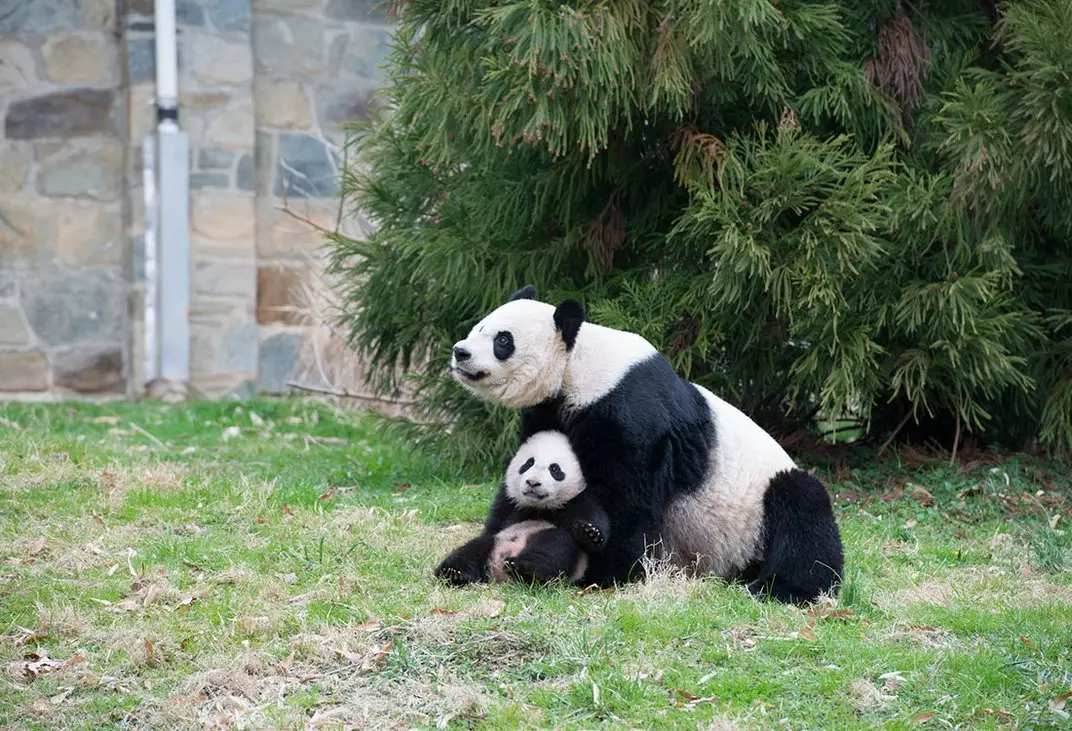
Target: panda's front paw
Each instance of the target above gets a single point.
(588, 536)
(457, 574)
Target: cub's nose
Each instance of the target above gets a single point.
(461, 354)
(532, 483)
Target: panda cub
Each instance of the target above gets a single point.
(552, 524)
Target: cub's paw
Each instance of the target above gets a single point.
(458, 574)
(589, 536)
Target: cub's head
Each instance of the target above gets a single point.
(544, 473)
(517, 355)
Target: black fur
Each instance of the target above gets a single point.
(582, 523)
(528, 292)
(646, 441)
(549, 554)
(503, 346)
(802, 556)
(569, 316)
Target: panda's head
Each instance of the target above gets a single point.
(517, 355)
(544, 473)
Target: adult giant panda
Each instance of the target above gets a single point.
(675, 467)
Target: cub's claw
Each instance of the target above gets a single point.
(455, 576)
(589, 536)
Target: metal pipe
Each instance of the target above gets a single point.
(173, 206)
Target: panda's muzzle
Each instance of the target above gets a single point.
(461, 355)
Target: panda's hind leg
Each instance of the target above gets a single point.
(803, 556)
(549, 554)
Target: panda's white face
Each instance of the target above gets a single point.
(514, 356)
(544, 473)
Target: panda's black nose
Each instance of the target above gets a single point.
(532, 483)
(461, 354)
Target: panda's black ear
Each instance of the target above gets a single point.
(528, 292)
(569, 316)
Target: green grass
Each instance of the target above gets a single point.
(185, 574)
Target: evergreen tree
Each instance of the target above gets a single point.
(852, 208)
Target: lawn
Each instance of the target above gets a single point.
(268, 564)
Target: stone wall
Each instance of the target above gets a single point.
(64, 319)
(265, 88)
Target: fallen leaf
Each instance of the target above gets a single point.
(287, 511)
(153, 595)
(186, 601)
(383, 652)
(892, 681)
(77, 659)
(327, 495)
(37, 546)
(910, 523)
(1059, 703)
(922, 495)
(89, 681)
(107, 420)
(921, 717)
(1053, 521)
(61, 697)
(807, 634)
(284, 665)
(449, 612)
(1029, 642)
(829, 613)
(368, 626)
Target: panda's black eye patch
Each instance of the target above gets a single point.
(504, 345)
(556, 472)
(528, 463)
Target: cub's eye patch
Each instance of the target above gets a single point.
(557, 473)
(503, 346)
(528, 463)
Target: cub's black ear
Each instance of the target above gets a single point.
(569, 316)
(528, 292)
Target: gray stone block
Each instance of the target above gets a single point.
(229, 14)
(288, 45)
(277, 358)
(141, 60)
(240, 348)
(245, 176)
(338, 107)
(138, 258)
(88, 367)
(188, 12)
(213, 158)
(62, 114)
(8, 285)
(69, 307)
(89, 170)
(264, 161)
(368, 51)
(13, 329)
(362, 11)
(210, 180)
(14, 164)
(23, 371)
(225, 278)
(308, 172)
(39, 16)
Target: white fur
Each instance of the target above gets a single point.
(536, 487)
(718, 528)
(532, 374)
(599, 360)
(510, 542)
